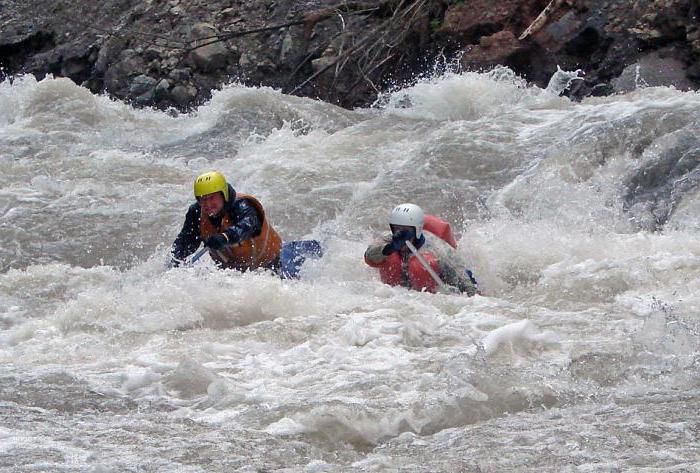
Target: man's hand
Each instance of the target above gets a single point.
(399, 239)
(216, 242)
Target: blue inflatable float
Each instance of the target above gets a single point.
(294, 254)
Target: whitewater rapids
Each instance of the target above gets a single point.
(580, 220)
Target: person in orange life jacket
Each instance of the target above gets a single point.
(399, 267)
(232, 225)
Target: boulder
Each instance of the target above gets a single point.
(651, 70)
(161, 90)
(180, 75)
(470, 20)
(143, 87)
(492, 50)
(76, 68)
(293, 47)
(128, 66)
(108, 53)
(208, 56)
(183, 95)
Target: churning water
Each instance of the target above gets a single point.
(580, 220)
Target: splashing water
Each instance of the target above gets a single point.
(581, 221)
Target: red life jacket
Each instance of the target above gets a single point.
(440, 229)
(411, 273)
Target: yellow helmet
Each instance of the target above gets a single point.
(209, 183)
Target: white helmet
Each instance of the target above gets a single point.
(410, 215)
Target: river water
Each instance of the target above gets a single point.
(580, 220)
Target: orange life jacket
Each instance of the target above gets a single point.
(259, 251)
(410, 273)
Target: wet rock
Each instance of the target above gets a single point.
(118, 74)
(657, 188)
(17, 46)
(492, 50)
(693, 72)
(471, 20)
(143, 87)
(558, 32)
(109, 51)
(246, 60)
(286, 47)
(161, 90)
(293, 47)
(183, 95)
(601, 90)
(180, 75)
(653, 70)
(209, 55)
(153, 53)
(76, 68)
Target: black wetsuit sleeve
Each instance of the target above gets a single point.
(248, 221)
(188, 239)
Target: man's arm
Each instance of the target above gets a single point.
(377, 252)
(188, 239)
(248, 222)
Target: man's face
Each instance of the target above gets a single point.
(212, 204)
(400, 228)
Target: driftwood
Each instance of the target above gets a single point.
(374, 49)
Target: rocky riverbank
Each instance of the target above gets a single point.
(172, 53)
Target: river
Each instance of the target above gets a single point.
(581, 222)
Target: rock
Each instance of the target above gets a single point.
(108, 53)
(557, 33)
(492, 50)
(601, 90)
(471, 20)
(246, 60)
(161, 90)
(76, 68)
(693, 72)
(183, 95)
(170, 63)
(228, 13)
(18, 46)
(180, 75)
(653, 70)
(118, 74)
(646, 34)
(143, 87)
(212, 56)
(286, 47)
(152, 53)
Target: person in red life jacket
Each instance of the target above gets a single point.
(397, 264)
(231, 225)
